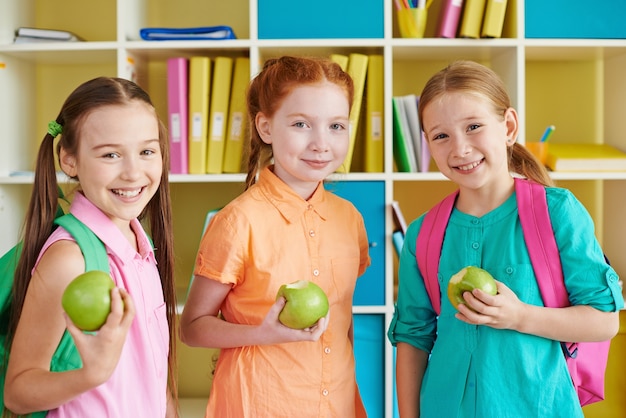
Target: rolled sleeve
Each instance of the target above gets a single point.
(414, 321)
(592, 282)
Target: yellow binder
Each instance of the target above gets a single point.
(494, 19)
(357, 68)
(220, 96)
(199, 89)
(340, 59)
(237, 118)
(472, 18)
(374, 124)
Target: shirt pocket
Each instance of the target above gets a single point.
(520, 278)
(344, 275)
(159, 339)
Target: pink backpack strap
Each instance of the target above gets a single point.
(428, 246)
(544, 254)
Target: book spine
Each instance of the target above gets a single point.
(494, 19)
(400, 150)
(472, 19)
(357, 68)
(374, 125)
(449, 18)
(177, 84)
(199, 89)
(233, 149)
(340, 59)
(220, 95)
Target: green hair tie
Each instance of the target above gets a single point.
(54, 128)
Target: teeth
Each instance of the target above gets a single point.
(127, 193)
(469, 166)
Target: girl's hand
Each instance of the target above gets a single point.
(100, 351)
(277, 333)
(502, 311)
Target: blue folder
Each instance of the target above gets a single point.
(185, 34)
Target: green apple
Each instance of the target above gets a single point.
(87, 299)
(468, 279)
(306, 304)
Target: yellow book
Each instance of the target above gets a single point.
(236, 128)
(472, 18)
(374, 108)
(199, 89)
(220, 96)
(585, 157)
(340, 59)
(494, 19)
(357, 68)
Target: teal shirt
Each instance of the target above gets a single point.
(482, 372)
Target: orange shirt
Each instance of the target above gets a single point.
(266, 237)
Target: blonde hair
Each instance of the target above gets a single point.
(476, 79)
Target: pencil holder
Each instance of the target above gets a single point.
(412, 22)
(539, 150)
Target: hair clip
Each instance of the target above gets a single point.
(54, 128)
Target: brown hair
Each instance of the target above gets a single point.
(44, 202)
(476, 79)
(268, 89)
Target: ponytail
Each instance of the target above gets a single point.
(523, 162)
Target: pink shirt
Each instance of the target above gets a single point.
(267, 237)
(138, 386)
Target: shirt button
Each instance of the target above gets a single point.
(309, 207)
(327, 350)
(475, 221)
(509, 270)
(312, 233)
(316, 272)
(475, 245)
(325, 392)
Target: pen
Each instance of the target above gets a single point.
(547, 134)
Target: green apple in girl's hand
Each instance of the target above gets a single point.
(468, 279)
(87, 299)
(305, 304)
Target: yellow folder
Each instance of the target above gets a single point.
(494, 19)
(220, 97)
(237, 118)
(199, 89)
(374, 107)
(472, 18)
(357, 68)
(340, 59)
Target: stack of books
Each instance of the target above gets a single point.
(471, 18)
(28, 35)
(410, 151)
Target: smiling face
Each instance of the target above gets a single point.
(309, 135)
(468, 140)
(119, 162)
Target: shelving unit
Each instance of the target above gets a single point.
(575, 84)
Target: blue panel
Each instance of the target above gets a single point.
(369, 199)
(575, 19)
(281, 19)
(369, 353)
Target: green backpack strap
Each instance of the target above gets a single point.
(93, 249)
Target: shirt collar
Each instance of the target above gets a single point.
(290, 205)
(86, 212)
